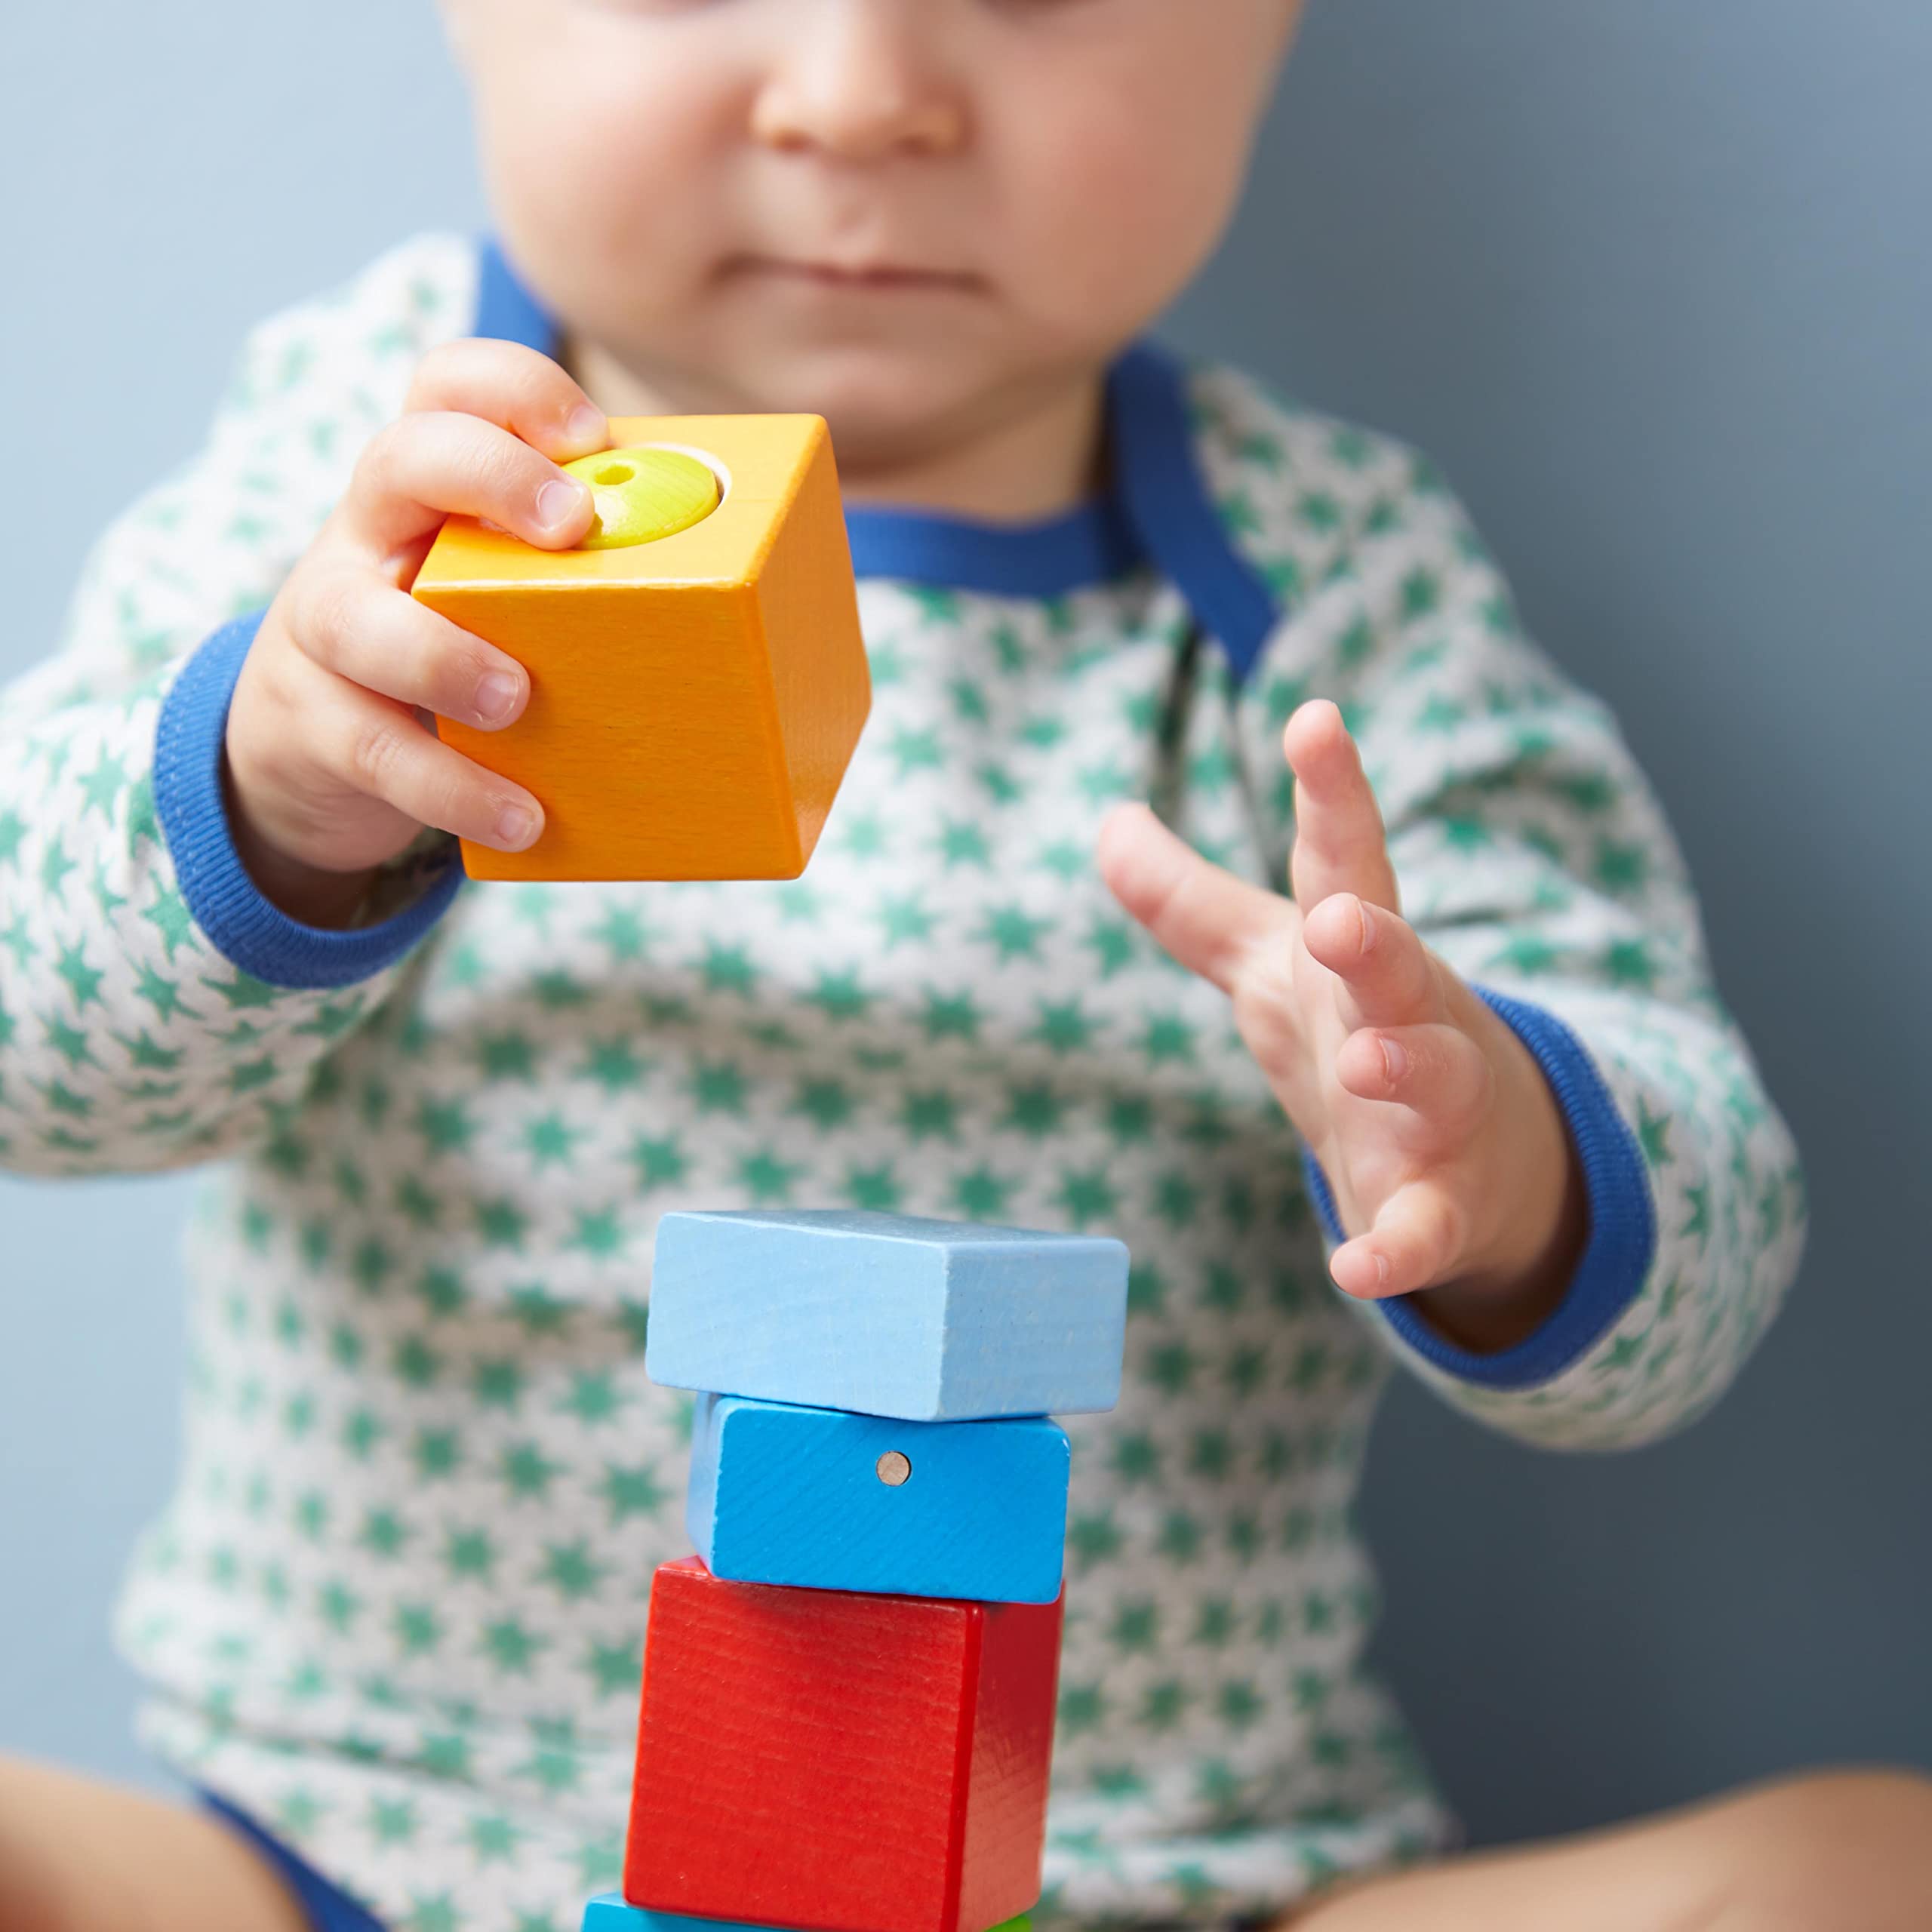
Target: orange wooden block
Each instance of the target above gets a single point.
(694, 700)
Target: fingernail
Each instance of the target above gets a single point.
(586, 425)
(495, 697)
(1367, 923)
(1394, 1061)
(516, 826)
(559, 503)
(1381, 1271)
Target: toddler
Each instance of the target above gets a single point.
(1222, 869)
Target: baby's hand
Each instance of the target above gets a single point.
(1451, 1168)
(331, 767)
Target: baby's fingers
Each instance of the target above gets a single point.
(513, 387)
(1387, 976)
(1340, 845)
(1437, 1082)
(1418, 1240)
(379, 748)
(351, 622)
(424, 466)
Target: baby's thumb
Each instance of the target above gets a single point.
(1209, 920)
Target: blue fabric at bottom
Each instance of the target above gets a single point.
(328, 1909)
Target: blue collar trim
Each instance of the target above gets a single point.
(1168, 501)
(1092, 544)
(506, 309)
(1160, 510)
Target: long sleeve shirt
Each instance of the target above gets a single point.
(394, 1609)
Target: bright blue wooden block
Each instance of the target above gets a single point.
(815, 1499)
(886, 1315)
(609, 1912)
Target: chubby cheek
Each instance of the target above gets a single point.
(1115, 195)
(607, 182)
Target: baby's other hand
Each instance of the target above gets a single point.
(1452, 1168)
(331, 767)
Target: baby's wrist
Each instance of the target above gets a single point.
(1518, 1280)
(308, 894)
(1498, 1305)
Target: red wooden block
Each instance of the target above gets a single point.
(841, 1763)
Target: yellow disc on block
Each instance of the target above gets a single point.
(642, 494)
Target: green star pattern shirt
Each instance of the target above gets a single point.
(395, 1607)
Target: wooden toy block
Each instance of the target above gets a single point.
(695, 699)
(885, 1315)
(609, 1913)
(816, 1500)
(822, 1760)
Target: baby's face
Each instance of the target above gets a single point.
(903, 214)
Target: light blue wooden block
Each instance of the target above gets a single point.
(821, 1500)
(886, 1315)
(609, 1912)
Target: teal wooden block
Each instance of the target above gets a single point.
(610, 1913)
(883, 1315)
(818, 1500)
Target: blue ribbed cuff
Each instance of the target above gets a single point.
(1622, 1225)
(246, 929)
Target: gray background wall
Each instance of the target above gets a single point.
(1655, 282)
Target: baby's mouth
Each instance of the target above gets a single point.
(870, 278)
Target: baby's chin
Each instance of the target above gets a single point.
(888, 404)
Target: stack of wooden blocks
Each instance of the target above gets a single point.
(848, 1695)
